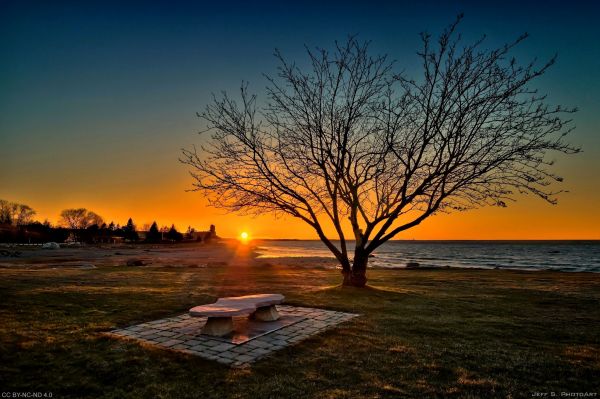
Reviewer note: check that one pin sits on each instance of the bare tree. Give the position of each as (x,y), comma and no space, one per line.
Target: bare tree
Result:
(25,215)
(352,146)
(14,213)
(79,218)
(7,210)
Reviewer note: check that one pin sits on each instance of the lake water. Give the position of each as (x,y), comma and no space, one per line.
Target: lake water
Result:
(574,256)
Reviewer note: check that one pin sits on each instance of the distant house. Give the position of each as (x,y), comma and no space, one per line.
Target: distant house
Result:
(117,239)
(205,236)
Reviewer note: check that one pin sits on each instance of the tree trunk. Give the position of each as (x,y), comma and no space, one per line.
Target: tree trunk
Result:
(346,272)
(357,277)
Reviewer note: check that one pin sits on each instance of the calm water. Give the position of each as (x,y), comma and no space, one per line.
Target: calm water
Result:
(524,255)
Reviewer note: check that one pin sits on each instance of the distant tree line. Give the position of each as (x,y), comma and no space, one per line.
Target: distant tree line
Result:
(17,225)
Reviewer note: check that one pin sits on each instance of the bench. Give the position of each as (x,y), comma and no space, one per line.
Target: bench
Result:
(260,307)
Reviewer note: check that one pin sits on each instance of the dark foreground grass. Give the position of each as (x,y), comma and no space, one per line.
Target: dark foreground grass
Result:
(439,333)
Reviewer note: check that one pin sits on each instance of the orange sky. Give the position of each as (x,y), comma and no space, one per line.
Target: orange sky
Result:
(95,109)
(158,193)
(134,171)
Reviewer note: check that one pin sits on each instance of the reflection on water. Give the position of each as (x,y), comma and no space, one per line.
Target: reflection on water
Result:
(524,255)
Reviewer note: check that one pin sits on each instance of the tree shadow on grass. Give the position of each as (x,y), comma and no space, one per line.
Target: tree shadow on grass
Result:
(365,293)
(347,299)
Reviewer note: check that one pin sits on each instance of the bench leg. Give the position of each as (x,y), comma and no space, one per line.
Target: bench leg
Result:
(266,313)
(218,326)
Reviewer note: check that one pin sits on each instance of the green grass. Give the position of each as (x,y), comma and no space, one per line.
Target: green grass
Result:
(437,333)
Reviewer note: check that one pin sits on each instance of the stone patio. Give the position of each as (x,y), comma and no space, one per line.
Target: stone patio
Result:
(250,342)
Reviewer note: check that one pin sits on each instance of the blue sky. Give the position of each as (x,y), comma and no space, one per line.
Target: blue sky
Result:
(98,97)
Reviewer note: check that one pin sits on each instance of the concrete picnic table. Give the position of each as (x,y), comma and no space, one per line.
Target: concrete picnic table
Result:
(260,307)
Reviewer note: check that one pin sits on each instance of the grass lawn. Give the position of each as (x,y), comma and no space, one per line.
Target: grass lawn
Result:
(422,333)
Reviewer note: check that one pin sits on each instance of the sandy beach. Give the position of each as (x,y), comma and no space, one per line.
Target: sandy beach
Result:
(223,253)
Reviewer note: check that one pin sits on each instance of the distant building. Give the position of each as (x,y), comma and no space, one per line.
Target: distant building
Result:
(205,236)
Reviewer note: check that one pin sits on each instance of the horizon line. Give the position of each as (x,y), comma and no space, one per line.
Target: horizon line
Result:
(426,239)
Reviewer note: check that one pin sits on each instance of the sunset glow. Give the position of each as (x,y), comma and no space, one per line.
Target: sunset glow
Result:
(108,129)
(311,199)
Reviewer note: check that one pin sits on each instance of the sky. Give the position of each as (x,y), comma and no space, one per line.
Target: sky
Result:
(98,98)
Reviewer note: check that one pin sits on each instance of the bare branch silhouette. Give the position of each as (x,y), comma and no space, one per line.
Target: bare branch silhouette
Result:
(352,143)
(79,218)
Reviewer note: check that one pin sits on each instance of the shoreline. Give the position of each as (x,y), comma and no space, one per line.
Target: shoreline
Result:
(571,256)
(441,325)
(219,254)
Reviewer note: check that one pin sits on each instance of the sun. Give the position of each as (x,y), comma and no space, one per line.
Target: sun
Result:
(244,236)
